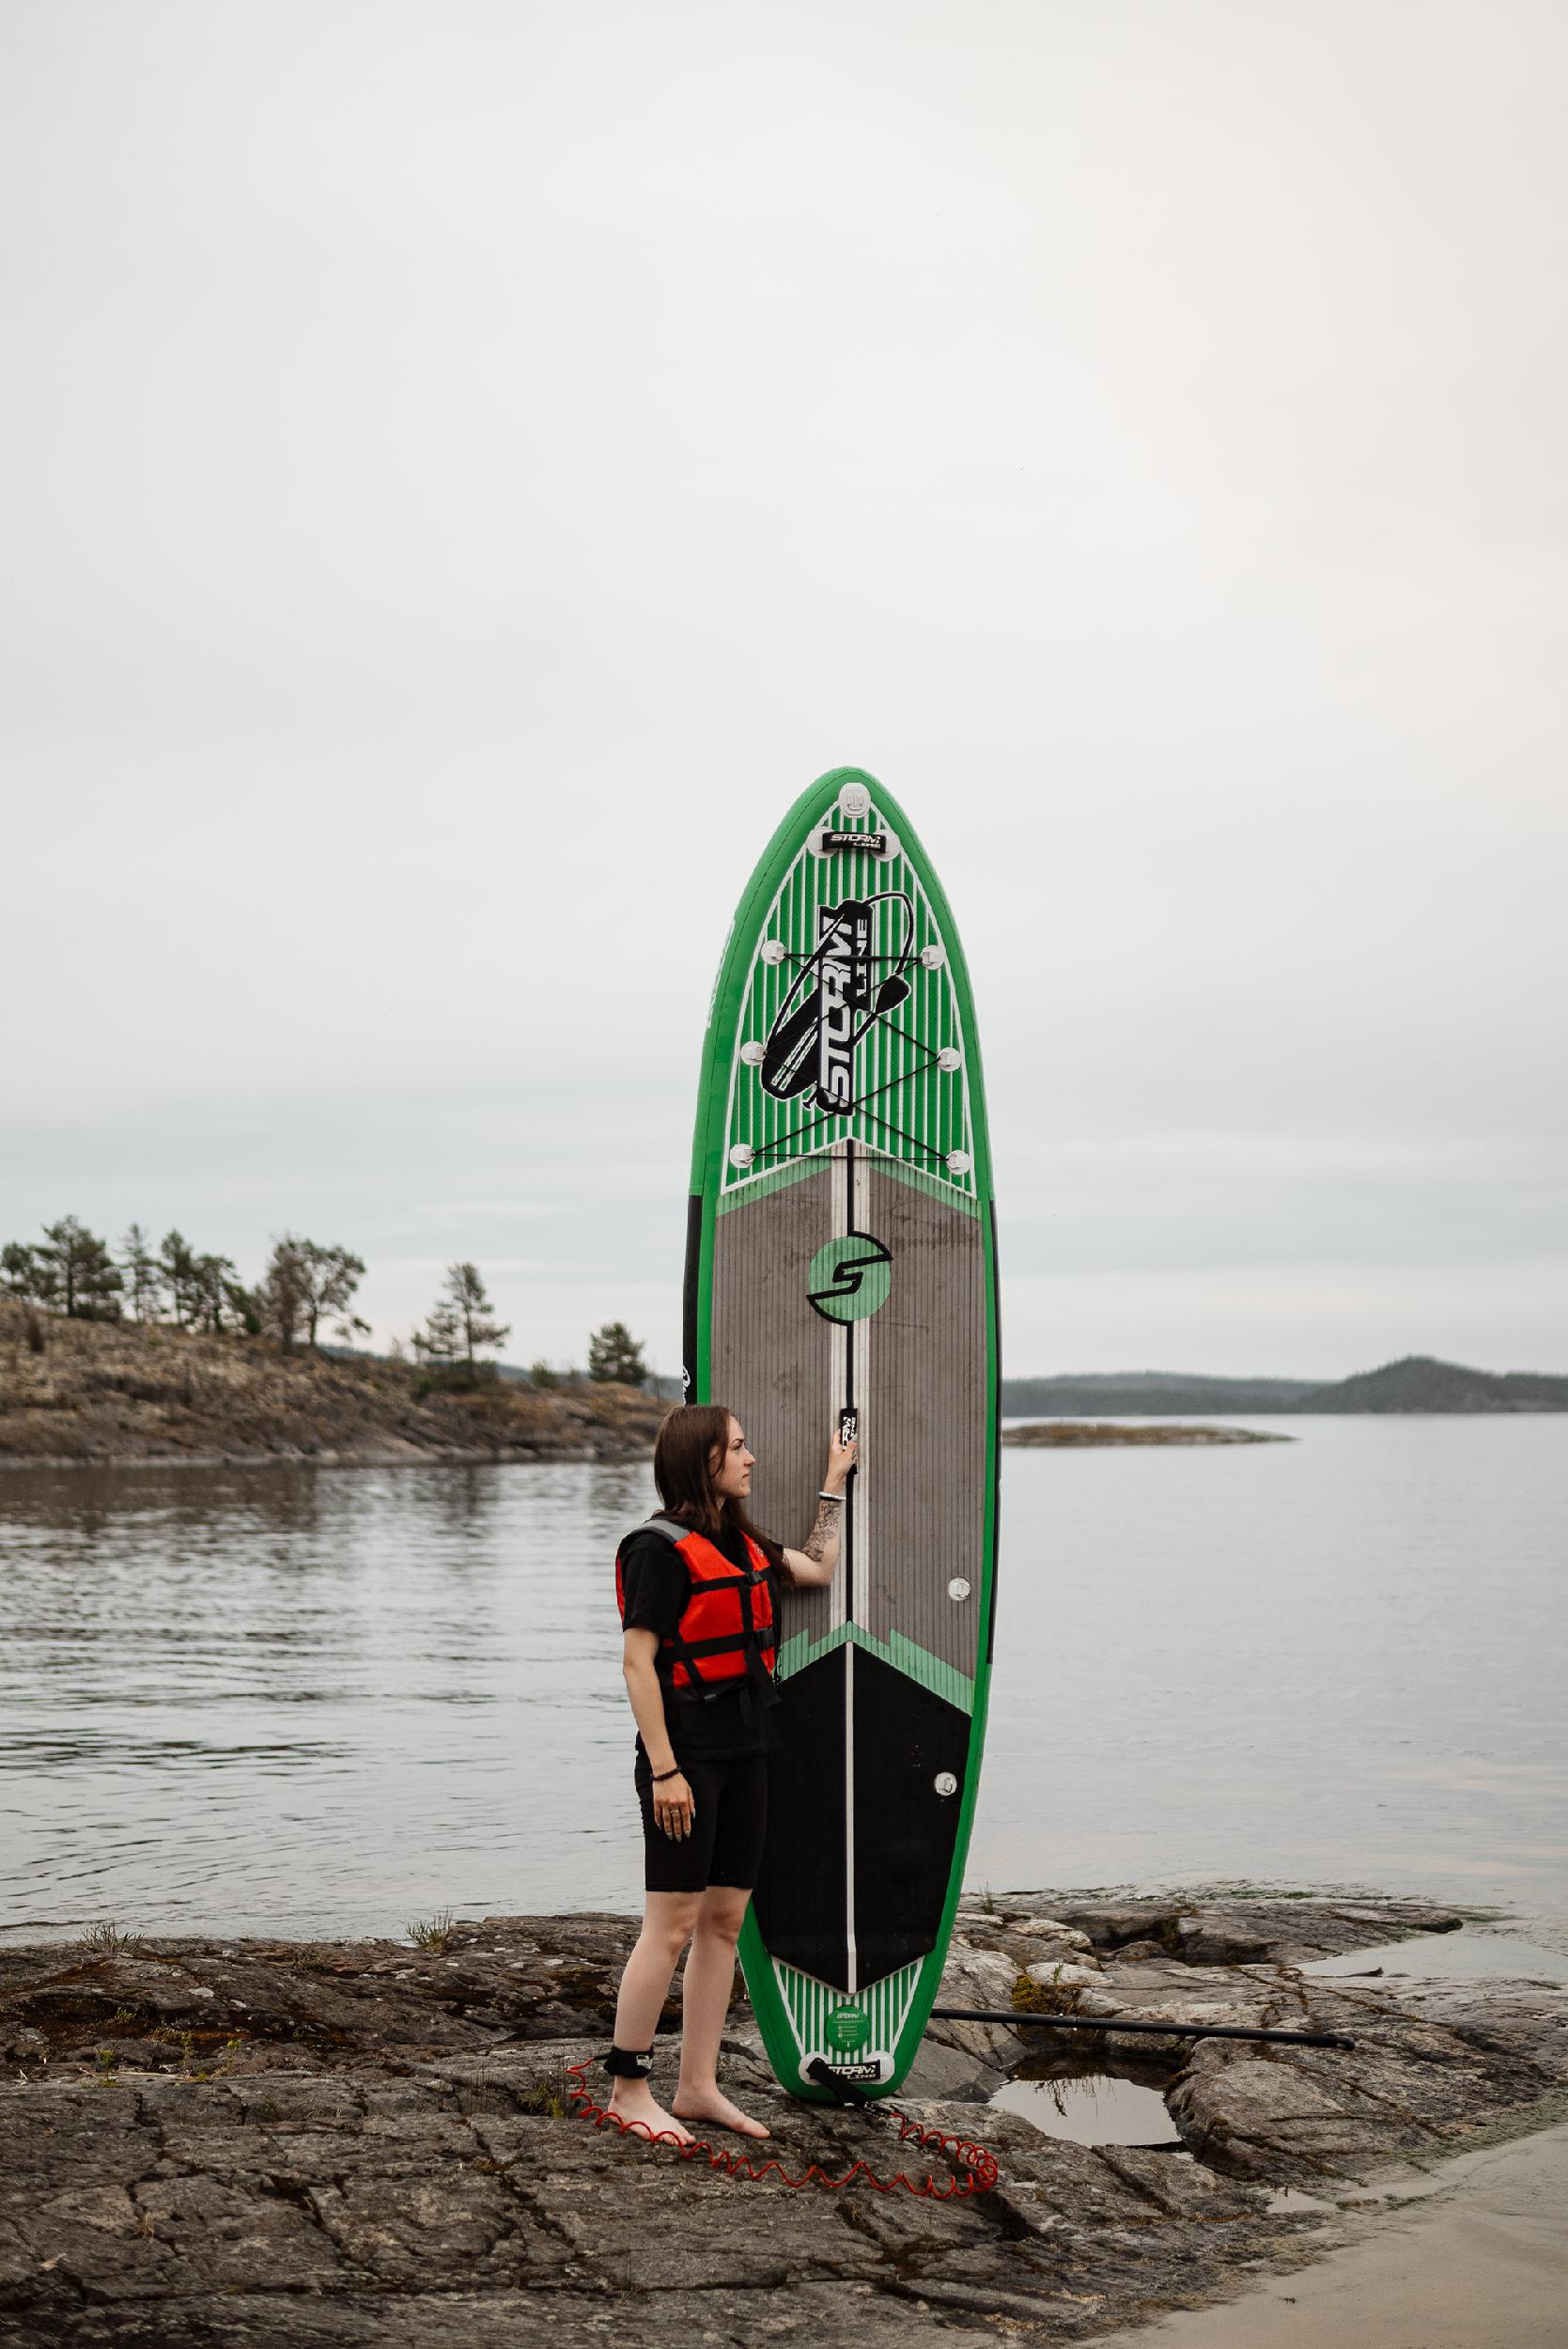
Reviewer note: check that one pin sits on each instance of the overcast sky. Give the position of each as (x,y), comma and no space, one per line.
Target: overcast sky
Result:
(466,468)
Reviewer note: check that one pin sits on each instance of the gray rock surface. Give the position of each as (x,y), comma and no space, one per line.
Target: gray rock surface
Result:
(1243,1930)
(209,2144)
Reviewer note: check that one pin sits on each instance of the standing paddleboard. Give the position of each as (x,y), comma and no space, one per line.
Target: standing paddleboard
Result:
(841,1269)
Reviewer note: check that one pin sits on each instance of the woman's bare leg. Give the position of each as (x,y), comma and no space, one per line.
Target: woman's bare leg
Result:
(668,1922)
(708,1980)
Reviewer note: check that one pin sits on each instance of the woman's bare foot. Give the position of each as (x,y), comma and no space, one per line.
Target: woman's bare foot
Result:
(709,2106)
(631,2101)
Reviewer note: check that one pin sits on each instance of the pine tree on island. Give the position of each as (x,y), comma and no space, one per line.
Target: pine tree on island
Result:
(303,1282)
(143,1273)
(71,1272)
(614,1356)
(461,1322)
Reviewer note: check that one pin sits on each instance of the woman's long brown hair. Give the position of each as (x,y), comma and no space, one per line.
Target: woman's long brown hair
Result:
(685,1458)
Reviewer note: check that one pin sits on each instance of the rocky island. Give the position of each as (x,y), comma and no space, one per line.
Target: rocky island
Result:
(101,1393)
(211,2143)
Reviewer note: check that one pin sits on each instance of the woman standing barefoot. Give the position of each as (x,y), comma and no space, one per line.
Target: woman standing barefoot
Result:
(696,1586)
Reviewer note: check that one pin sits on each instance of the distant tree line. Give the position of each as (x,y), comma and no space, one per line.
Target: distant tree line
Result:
(75,1272)
(305,1285)
(463,1323)
(615,1356)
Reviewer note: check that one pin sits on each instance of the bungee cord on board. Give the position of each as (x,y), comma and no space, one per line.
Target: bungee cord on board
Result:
(797,1010)
(770,1149)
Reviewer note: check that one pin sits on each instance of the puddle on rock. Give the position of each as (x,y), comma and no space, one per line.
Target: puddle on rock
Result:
(1452,1956)
(1286,2198)
(1095,2110)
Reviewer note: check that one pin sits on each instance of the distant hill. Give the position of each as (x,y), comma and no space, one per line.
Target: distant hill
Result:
(1167,1393)
(658,1383)
(1418,1383)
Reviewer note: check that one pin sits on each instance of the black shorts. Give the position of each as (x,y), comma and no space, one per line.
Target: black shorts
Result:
(727,1826)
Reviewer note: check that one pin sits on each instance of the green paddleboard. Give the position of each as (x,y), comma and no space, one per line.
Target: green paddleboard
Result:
(841,1261)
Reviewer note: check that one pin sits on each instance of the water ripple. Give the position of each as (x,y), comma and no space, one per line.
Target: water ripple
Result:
(1336,1659)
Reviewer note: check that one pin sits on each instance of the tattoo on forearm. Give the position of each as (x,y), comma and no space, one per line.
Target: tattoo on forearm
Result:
(823,1531)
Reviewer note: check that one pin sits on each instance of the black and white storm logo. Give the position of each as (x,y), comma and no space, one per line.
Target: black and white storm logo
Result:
(854,977)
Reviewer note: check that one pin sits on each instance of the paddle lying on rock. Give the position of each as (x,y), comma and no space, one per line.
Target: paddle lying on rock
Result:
(1121,2022)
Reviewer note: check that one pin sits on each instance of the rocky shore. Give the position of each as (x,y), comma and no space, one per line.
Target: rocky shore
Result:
(108,1394)
(212,2143)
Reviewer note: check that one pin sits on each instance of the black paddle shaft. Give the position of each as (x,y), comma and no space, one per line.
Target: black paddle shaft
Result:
(1154,2030)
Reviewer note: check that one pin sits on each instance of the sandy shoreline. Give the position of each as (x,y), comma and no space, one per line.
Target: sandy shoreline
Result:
(1471,2255)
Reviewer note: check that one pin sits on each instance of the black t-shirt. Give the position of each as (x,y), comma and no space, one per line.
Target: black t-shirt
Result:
(657,1588)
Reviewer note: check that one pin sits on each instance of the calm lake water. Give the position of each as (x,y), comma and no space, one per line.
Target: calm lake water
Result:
(325,1701)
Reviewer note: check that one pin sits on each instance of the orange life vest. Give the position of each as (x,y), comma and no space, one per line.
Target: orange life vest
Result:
(726,1632)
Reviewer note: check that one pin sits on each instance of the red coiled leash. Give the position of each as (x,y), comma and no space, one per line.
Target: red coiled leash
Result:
(977,2163)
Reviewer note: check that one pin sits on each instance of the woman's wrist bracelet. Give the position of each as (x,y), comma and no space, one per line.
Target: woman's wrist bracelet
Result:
(660,1776)
(826,1495)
